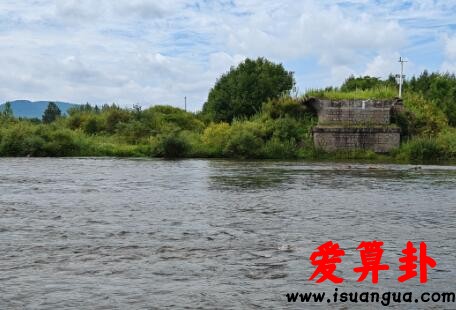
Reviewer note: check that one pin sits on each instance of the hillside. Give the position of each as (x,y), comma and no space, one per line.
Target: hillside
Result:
(29,109)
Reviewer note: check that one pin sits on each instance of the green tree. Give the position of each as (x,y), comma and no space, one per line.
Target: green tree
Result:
(361,83)
(7,110)
(51,113)
(440,88)
(366,82)
(242,91)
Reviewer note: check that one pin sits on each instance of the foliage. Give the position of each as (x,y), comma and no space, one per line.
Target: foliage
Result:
(173,118)
(242,91)
(7,111)
(447,139)
(277,149)
(91,127)
(115,117)
(438,88)
(51,113)
(425,118)
(24,139)
(285,106)
(366,82)
(422,150)
(216,137)
(243,144)
(173,146)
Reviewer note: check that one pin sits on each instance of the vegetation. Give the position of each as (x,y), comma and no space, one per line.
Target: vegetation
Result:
(249,114)
(242,91)
(438,88)
(377,92)
(7,111)
(51,113)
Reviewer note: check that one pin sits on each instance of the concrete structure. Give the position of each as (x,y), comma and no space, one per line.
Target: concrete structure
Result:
(356,124)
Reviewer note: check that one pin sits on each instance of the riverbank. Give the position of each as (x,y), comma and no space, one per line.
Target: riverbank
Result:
(281,129)
(183,135)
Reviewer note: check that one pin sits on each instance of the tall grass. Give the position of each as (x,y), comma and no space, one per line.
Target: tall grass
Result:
(383,92)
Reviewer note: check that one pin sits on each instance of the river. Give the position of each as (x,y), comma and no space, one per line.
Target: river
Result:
(212,234)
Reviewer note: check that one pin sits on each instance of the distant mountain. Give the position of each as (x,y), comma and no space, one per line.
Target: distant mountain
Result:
(29,109)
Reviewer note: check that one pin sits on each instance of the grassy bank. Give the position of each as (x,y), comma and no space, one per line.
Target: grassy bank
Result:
(281,130)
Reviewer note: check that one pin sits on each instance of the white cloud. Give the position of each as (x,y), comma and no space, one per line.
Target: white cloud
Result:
(142,8)
(144,51)
(221,62)
(449,63)
(78,10)
(383,64)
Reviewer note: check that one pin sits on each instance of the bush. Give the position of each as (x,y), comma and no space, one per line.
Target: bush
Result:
(74,121)
(243,144)
(447,140)
(26,140)
(406,121)
(161,117)
(21,139)
(133,131)
(91,127)
(216,137)
(61,143)
(439,88)
(363,83)
(427,119)
(422,150)
(288,128)
(257,127)
(13,142)
(285,107)
(278,149)
(173,146)
(114,117)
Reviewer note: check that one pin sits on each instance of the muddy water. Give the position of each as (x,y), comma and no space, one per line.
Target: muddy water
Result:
(210,234)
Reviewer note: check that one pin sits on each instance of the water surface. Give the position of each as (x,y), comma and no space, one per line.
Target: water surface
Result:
(210,234)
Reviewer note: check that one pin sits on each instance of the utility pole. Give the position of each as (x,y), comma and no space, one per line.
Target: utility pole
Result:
(185,103)
(401,76)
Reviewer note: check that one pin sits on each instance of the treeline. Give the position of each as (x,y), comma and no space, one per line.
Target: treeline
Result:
(281,130)
(250,113)
(439,88)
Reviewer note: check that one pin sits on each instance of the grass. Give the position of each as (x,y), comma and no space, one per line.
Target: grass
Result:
(335,94)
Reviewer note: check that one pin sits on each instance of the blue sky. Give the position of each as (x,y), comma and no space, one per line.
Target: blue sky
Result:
(149,52)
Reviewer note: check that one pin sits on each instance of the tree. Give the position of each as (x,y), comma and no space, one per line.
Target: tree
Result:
(242,91)
(366,82)
(440,88)
(51,113)
(7,110)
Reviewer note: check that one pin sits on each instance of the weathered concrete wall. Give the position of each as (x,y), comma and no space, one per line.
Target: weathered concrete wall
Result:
(347,112)
(356,124)
(377,139)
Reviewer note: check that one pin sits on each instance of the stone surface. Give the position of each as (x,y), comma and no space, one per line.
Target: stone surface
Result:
(380,140)
(356,124)
(355,111)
